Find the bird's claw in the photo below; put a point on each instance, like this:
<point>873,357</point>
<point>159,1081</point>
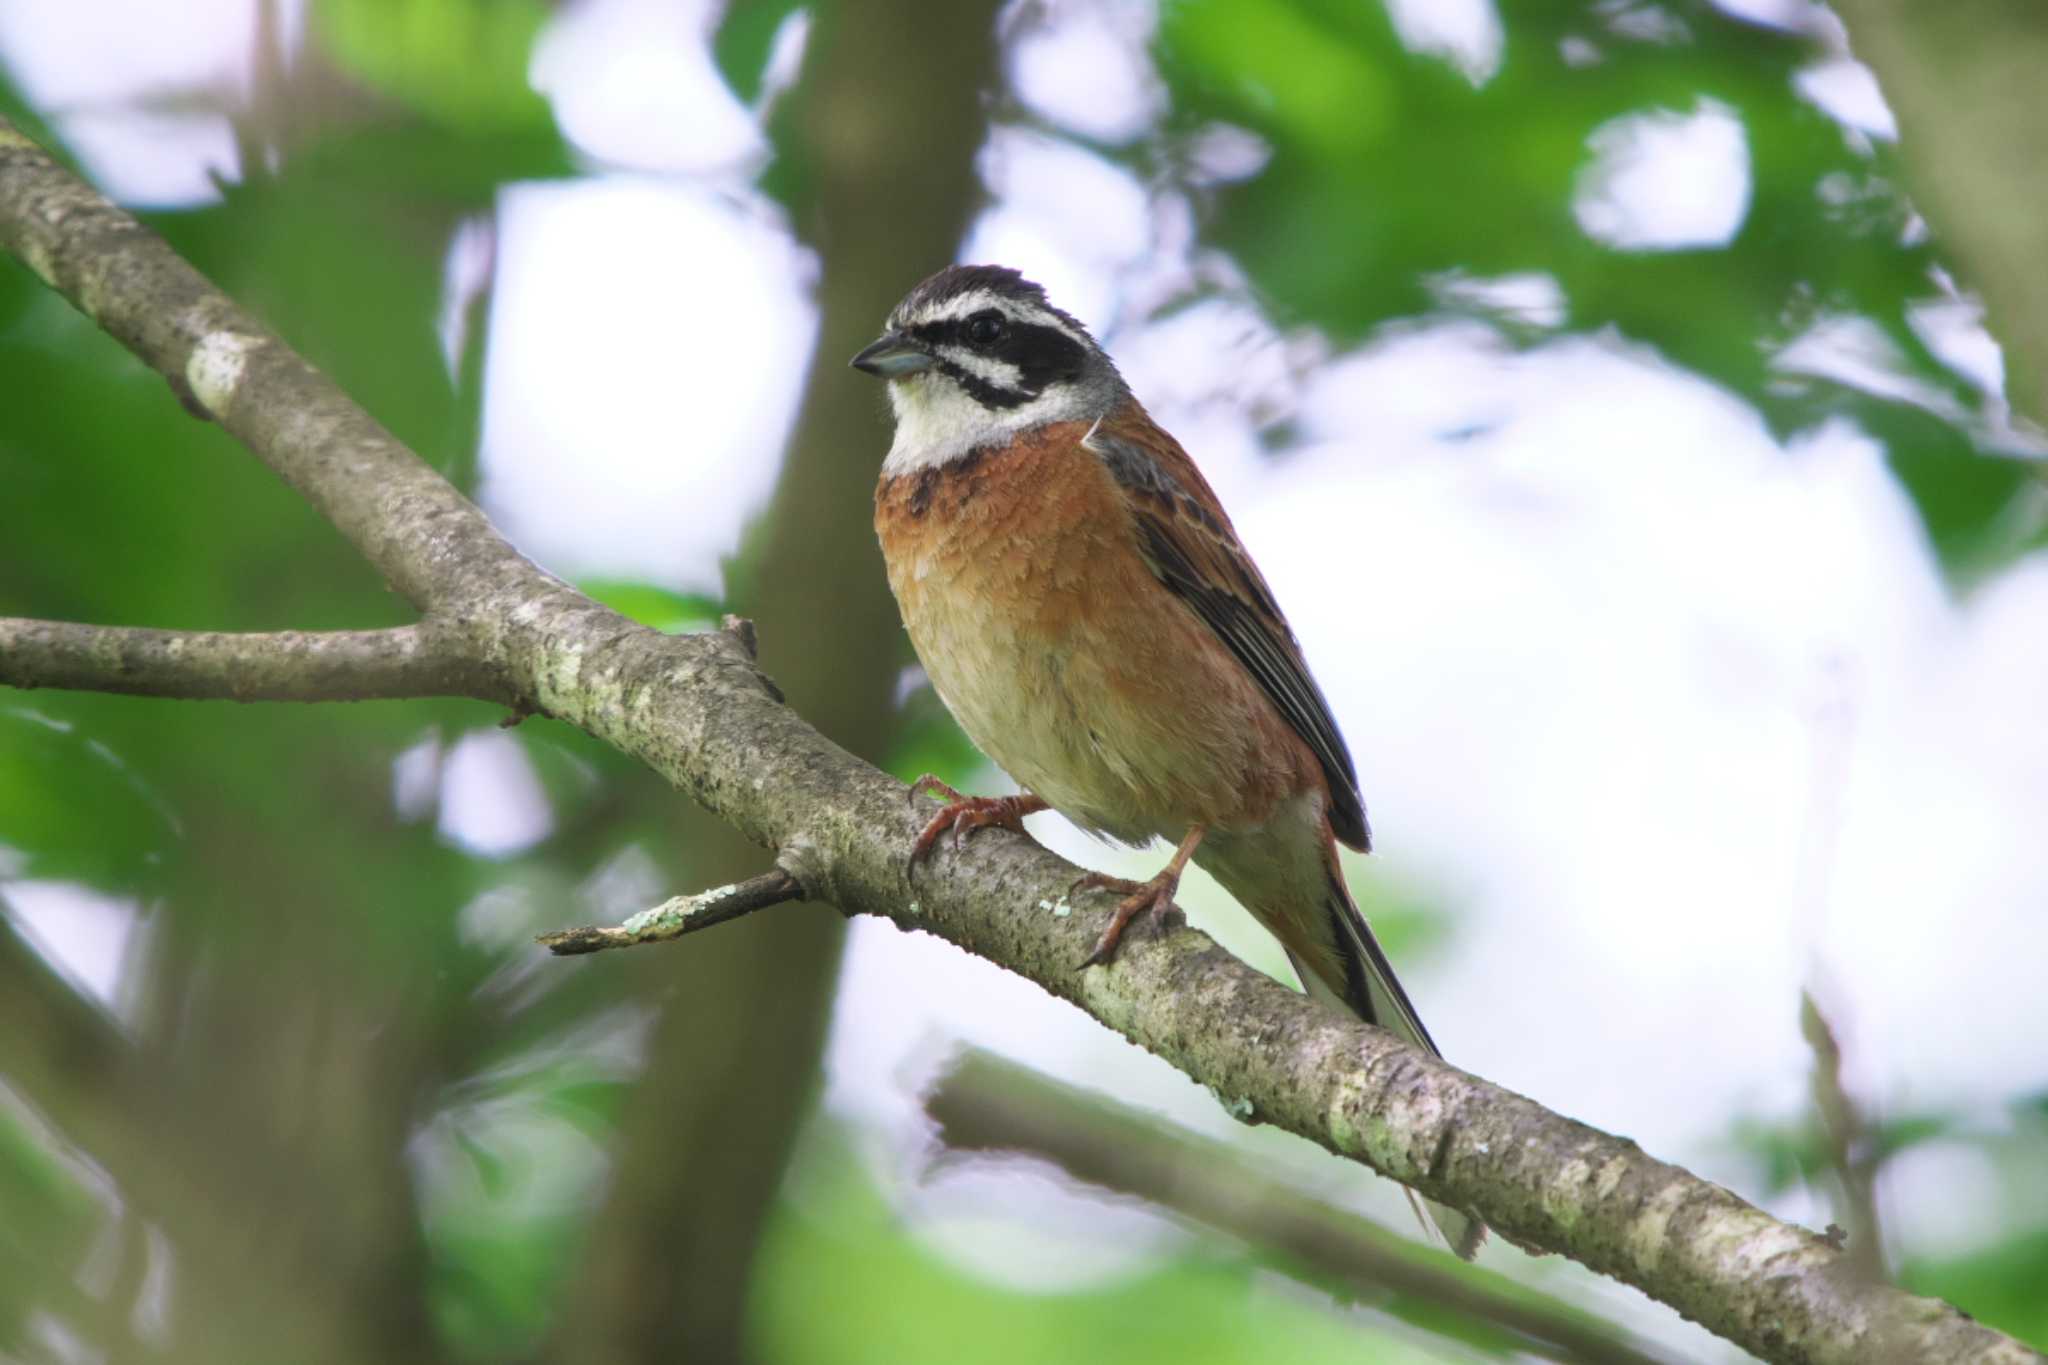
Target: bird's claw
<point>965,814</point>
<point>931,784</point>
<point>1155,896</point>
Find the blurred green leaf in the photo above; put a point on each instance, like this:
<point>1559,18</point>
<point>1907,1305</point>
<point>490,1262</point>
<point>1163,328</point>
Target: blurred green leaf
<point>459,62</point>
<point>839,1251</point>
<point>1790,1154</point>
<point>484,1296</point>
<point>2005,1286</point>
<point>1389,169</point>
<point>1314,85</point>
<point>1798,1151</point>
<point>1891,1136</point>
<point>929,740</point>
<point>746,39</point>
<point>50,1216</point>
<point>658,607</point>
<point>52,770</point>
<point>1409,921</point>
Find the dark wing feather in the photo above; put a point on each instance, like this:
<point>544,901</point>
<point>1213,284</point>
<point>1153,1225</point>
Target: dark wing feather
<point>1188,542</point>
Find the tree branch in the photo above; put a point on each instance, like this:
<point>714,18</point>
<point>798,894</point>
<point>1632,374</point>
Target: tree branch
<point>984,1103</point>
<point>1852,1148</point>
<point>679,915</point>
<point>293,665</point>
<point>696,710</point>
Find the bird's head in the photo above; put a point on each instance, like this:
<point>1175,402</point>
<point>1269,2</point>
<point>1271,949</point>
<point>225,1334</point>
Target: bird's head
<point>976,355</point>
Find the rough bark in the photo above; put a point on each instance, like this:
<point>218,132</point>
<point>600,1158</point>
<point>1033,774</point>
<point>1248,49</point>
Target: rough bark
<point>986,1104</point>
<point>192,665</point>
<point>697,711</point>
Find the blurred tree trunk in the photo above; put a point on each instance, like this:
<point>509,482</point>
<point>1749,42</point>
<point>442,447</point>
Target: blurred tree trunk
<point>887,122</point>
<point>1964,80</point>
<point>255,1119</point>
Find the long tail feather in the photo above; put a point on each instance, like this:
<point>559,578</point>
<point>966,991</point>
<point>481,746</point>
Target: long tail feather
<point>1369,989</point>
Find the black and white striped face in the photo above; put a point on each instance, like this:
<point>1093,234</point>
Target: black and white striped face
<point>976,355</point>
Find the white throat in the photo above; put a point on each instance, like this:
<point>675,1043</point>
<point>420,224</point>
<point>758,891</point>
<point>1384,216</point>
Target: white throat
<point>937,422</point>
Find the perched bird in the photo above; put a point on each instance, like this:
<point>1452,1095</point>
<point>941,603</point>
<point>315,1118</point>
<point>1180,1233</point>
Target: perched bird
<point>1084,609</point>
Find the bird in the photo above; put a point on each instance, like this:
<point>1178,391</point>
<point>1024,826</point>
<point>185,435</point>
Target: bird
<point>1083,606</point>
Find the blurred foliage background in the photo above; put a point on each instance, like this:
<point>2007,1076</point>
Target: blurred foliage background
<point>281,1076</point>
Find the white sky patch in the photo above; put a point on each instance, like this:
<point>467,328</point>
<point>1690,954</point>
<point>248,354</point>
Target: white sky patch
<point>785,58</point>
<point>1086,68</point>
<point>84,933</point>
<point>1855,351</point>
<point>1093,206</point>
<point>492,804</point>
<point>1967,1220</point>
<point>1067,218</point>
<point>465,275</point>
<point>1223,152</point>
<point>648,344</point>
<point>1664,181</point>
<point>416,779</point>
<point>92,66</point>
<point>1466,33</point>
<point>1248,369</point>
<point>1527,299</point>
<point>633,82</point>
<point>1608,653</point>
<point>1643,22</point>
<point>1027,242</point>
<point>154,160</point>
<point>1794,16</point>
<point>1578,51</point>
<point>111,51</point>
<point>1847,91</point>
<point>1952,326</point>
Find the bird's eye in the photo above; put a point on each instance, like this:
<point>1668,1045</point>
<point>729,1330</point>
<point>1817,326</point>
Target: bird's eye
<point>983,328</point>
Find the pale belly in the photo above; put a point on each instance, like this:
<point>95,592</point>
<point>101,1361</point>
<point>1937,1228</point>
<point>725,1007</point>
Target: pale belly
<point>1067,662</point>
<point>1035,706</point>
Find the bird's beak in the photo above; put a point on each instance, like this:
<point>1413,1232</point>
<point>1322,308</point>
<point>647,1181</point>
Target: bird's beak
<point>892,356</point>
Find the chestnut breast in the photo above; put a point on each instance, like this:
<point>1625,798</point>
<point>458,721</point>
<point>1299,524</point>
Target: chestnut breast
<point>1063,658</point>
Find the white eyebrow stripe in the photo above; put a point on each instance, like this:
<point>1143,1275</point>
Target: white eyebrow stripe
<point>959,306</point>
<point>979,300</point>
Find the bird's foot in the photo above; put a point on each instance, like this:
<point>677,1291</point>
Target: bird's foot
<point>1138,897</point>
<point>1155,895</point>
<point>965,814</point>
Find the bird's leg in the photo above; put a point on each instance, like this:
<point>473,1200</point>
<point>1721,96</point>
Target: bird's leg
<point>965,814</point>
<point>1155,895</point>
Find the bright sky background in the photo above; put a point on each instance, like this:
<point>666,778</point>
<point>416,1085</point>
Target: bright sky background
<point>1674,717</point>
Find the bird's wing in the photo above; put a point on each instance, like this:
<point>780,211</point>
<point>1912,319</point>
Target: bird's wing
<point>1188,541</point>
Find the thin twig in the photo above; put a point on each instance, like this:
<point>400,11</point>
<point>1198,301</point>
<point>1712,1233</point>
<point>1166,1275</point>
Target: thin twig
<point>985,1103</point>
<point>1852,1150</point>
<point>679,915</point>
<point>289,665</point>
